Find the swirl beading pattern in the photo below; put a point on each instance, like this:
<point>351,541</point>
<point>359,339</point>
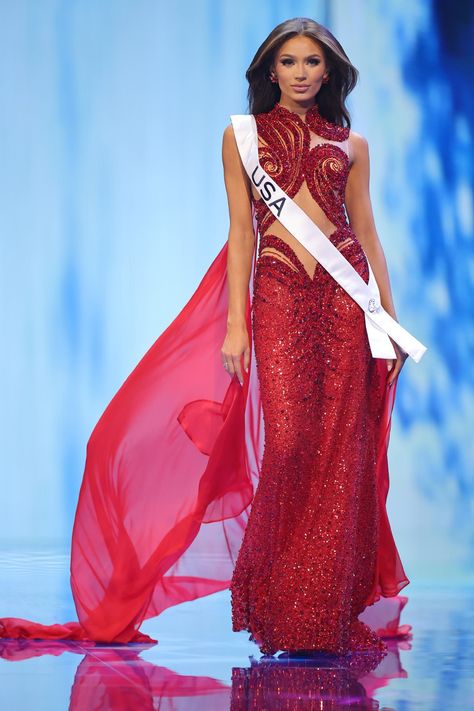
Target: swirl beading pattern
<point>287,157</point>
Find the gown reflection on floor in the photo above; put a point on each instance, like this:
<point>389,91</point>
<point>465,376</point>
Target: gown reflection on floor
<point>117,678</point>
<point>201,664</point>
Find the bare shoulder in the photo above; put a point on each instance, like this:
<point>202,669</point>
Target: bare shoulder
<point>228,137</point>
<point>229,144</point>
<point>234,172</point>
<point>228,132</point>
<point>358,143</point>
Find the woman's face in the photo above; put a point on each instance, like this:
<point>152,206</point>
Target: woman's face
<point>299,67</point>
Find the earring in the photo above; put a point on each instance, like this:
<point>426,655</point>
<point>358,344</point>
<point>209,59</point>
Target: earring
<point>273,77</point>
<point>326,79</point>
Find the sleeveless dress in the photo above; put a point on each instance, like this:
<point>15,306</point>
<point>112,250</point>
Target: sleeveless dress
<point>193,483</point>
<point>308,562</point>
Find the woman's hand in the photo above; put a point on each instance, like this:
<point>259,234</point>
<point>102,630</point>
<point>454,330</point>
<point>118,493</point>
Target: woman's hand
<point>235,347</point>
<point>394,365</point>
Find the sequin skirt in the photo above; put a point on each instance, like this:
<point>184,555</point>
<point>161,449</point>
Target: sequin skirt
<point>308,556</point>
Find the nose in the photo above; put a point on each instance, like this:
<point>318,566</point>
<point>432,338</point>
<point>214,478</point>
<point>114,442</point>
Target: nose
<point>300,73</point>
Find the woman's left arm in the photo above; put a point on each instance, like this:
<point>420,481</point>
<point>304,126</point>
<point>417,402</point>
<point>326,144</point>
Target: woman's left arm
<point>361,220</point>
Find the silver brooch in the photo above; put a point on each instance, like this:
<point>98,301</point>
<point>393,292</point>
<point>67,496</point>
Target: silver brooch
<point>373,306</point>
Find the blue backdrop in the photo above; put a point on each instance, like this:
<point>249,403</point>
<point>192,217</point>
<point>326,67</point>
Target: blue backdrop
<point>112,206</point>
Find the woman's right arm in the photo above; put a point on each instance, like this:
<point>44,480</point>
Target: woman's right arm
<point>239,256</point>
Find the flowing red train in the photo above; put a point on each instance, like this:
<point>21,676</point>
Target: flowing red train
<point>170,473</point>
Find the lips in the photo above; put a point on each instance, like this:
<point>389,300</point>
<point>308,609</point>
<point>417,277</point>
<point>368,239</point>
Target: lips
<point>300,86</point>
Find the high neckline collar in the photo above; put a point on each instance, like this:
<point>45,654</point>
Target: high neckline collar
<point>312,121</point>
<point>312,111</point>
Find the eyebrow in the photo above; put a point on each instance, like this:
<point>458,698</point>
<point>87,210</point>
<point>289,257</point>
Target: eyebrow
<point>285,54</point>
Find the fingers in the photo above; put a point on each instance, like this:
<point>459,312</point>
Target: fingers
<point>232,363</point>
<point>236,360</point>
<point>235,352</point>
<point>394,367</point>
<point>390,367</point>
<point>246,359</point>
<point>227,362</point>
<point>393,372</point>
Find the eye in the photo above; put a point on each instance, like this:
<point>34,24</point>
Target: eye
<point>313,61</point>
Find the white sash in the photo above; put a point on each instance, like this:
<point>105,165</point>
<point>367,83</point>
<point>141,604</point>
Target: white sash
<point>379,324</point>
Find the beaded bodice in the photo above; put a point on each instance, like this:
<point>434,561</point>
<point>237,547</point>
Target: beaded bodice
<point>286,153</point>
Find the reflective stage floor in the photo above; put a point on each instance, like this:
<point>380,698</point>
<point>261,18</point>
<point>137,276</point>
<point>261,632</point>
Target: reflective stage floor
<point>201,665</point>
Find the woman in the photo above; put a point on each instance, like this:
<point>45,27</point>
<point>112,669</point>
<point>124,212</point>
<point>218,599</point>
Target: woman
<point>308,565</point>
<point>174,465</point>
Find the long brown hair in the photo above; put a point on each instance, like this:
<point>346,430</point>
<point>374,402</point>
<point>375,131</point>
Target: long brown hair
<point>263,94</point>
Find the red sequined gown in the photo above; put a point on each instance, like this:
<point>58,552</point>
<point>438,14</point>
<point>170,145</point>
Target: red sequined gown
<point>308,562</point>
<point>175,467</point>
